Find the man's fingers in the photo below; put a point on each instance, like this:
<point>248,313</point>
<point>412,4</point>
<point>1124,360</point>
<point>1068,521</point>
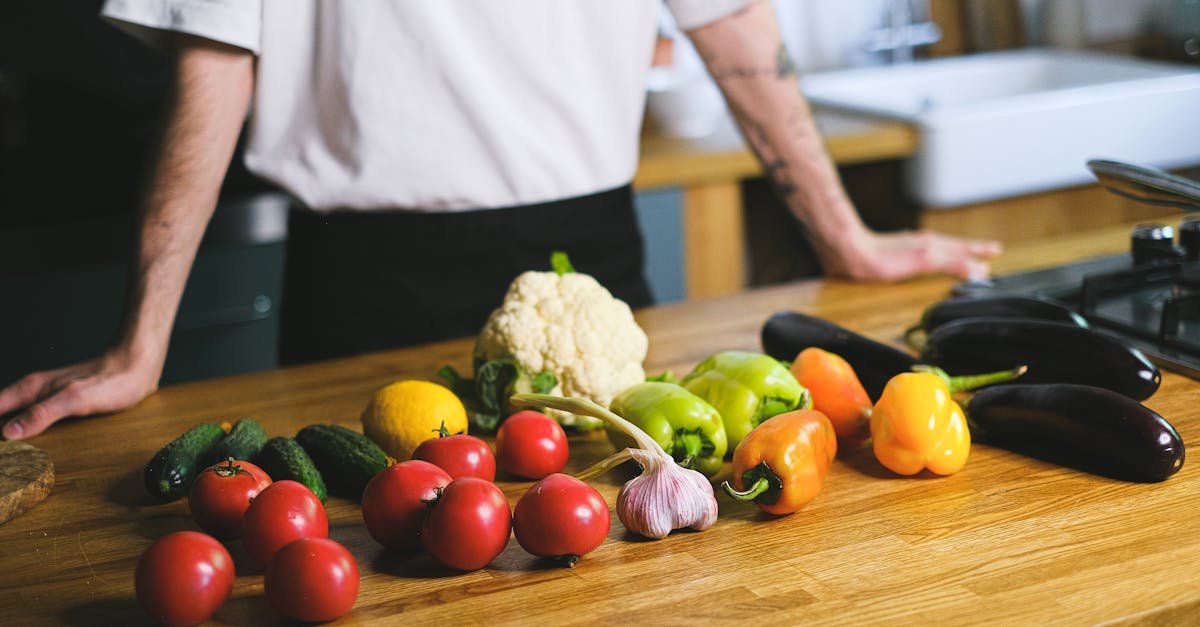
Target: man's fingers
<point>984,249</point>
<point>69,401</point>
<point>24,392</point>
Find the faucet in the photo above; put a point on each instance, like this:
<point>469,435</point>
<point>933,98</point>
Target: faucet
<point>904,32</point>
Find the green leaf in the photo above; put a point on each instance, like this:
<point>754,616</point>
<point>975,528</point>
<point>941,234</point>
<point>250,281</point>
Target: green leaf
<point>664,377</point>
<point>493,385</point>
<point>561,263</point>
<point>462,387</point>
<point>486,396</point>
<point>544,382</point>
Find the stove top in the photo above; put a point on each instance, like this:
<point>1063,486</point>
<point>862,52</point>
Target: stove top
<point>1149,297</point>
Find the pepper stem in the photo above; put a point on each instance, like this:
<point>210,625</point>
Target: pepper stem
<point>604,465</point>
<point>762,485</point>
<point>689,445</point>
<point>587,407</point>
<point>964,383</point>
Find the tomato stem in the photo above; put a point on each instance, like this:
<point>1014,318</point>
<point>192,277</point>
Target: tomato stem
<point>228,470</point>
<point>437,496</point>
<point>568,560</point>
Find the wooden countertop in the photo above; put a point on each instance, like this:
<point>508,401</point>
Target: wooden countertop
<point>1008,540</point>
<point>723,155</point>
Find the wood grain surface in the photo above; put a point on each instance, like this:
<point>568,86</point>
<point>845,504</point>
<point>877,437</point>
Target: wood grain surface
<point>1009,540</point>
<point>26,476</point>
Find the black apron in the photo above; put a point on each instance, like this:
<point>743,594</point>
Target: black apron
<point>359,281</point>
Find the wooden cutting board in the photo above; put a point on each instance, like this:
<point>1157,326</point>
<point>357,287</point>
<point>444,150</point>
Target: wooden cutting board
<point>26,477</point>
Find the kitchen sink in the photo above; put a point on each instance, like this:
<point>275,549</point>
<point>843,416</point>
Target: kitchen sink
<point>1001,124</point>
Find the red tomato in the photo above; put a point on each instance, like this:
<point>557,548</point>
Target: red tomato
<point>459,455</point>
<point>285,511</point>
<point>313,580</point>
<point>469,524</point>
<point>393,504</point>
<point>530,444</point>
<point>222,493</point>
<point>183,578</point>
<point>561,517</point>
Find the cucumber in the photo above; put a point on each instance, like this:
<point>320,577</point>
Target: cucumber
<point>243,442</point>
<point>347,458</point>
<point>169,474</point>
<point>282,458</point>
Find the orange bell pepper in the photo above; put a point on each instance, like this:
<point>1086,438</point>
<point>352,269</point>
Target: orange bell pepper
<point>836,392</point>
<point>781,464</point>
<point>917,424</point>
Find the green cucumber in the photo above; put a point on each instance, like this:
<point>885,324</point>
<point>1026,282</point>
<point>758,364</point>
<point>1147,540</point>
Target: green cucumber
<point>282,458</point>
<point>347,458</point>
<point>169,474</point>
<point>243,442</point>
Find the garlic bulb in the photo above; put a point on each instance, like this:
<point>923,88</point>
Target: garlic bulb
<point>664,497</point>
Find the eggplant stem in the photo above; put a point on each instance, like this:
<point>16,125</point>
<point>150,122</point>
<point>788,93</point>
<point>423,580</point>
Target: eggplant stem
<point>914,337</point>
<point>587,407</point>
<point>604,465</point>
<point>749,494</point>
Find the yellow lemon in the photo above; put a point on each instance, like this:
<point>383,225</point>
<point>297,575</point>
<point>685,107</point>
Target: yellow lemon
<point>404,414</point>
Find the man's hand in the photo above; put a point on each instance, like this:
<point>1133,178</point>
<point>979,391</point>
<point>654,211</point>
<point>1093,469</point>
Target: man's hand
<point>109,383</point>
<point>896,256</point>
<point>746,56</point>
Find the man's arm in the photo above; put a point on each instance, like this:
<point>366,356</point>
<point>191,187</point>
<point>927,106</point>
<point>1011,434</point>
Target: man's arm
<point>213,85</point>
<point>746,56</point>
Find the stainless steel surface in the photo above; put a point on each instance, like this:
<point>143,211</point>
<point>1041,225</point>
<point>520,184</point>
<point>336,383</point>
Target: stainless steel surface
<point>1148,185</point>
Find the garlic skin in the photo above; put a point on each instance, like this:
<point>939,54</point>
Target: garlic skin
<point>665,497</point>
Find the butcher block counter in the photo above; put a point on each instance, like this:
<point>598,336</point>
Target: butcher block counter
<point>1008,540</point>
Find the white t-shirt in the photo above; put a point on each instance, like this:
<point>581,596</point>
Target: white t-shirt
<point>437,104</point>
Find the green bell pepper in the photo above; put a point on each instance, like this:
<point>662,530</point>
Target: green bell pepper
<point>746,388</point>
<point>682,423</point>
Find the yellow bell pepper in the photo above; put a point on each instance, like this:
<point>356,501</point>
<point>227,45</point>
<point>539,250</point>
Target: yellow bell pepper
<point>917,424</point>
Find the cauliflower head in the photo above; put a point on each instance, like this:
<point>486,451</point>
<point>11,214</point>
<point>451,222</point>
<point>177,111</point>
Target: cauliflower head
<point>571,326</point>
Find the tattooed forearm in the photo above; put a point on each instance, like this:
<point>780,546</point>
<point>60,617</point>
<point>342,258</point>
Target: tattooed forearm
<point>783,69</point>
<point>776,168</point>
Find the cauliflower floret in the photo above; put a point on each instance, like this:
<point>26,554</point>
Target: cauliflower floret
<point>571,326</point>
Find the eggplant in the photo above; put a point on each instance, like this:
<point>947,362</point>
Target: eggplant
<point>1026,307</point>
<point>1079,426</point>
<point>1055,352</point>
<point>787,333</point>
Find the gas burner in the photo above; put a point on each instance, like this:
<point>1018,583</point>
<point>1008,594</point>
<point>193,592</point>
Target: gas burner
<point>1149,297</point>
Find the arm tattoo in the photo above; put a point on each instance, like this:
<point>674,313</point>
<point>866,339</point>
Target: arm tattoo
<point>784,69</point>
<point>775,166</point>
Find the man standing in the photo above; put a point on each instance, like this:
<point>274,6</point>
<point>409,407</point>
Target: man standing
<point>435,150</point>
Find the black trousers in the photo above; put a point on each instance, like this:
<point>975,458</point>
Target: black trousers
<point>362,281</point>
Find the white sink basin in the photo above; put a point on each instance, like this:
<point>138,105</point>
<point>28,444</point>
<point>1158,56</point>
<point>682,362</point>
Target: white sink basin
<point>1001,124</point>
